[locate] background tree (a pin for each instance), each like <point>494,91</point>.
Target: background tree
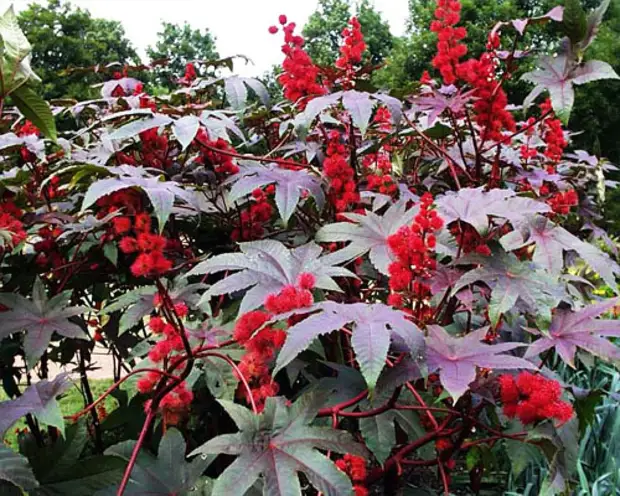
<point>180,45</point>
<point>323,31</point>
<point>65,37</point>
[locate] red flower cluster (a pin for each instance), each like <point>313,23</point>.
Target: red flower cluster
<point>449,48</point>
<point>413,246</point>
<point>562,202</point>
<point>155,149</point>
<point>532,398</point>
<point>171,340</point>
<point>355,467</point>
<point>9,223</point>
<point>383,118</point>
<point>490,106</point>
<point>253,219</point>
<point>151,261</point>
<point>343,190</point>
<point>300,77</point>
<point>291,297</point>
<point>552,134</point>
<point>378,168</point>
<point>351,52</point>
<point>221,163</point>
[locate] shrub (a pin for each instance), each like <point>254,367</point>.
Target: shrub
<point>339,293</point>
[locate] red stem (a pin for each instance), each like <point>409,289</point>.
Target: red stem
<point>150,416</point>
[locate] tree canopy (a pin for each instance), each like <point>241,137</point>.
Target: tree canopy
<point>180,44</point>
<point>323,32</point>
<point>64,38</point>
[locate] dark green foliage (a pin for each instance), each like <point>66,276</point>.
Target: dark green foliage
<point>85,42</point>
<point>180,45</point>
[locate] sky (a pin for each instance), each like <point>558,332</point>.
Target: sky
<point>240,26</point>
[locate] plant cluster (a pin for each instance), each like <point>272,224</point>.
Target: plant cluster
<point>341,293</point>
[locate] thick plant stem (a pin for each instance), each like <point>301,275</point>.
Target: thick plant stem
<point>150,416</point>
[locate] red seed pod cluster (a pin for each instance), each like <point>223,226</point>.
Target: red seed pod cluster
<point>220,162</point>
<point>552,134</point>
<point>351,52</point>
<point>336,167</point>
<point>355,468</point>
<point>262,341</point>
<point>151,261</point>
<point>562,202</point>
<point>450,50</point>
<point>10,224</point>
<point>49,254</point>
<point>414,248</point>
<point>300,78</point>
<point>491,100</point>
<point>154,149</point>
<point>175,404</point>
<point>383,119</point>
<point>252,220</point>
<point>469,240</point>
<point>533,398</point>
<point>378,170</point>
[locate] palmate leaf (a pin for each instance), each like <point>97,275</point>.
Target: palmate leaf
<point>267,267</point>
<point>552,240</point>
<point>512,282</point>
<point>369,233</point>
<point>185,129</point>
<point>558,75</point>
<point>161,193</point>
<point>277,444</point>
<point>140,125</point>
<point>40,318</point>
<point>374,327</point>
<point>439,101</point>
<point>358,104</point>
<point>457,358</point>
<point>290,185</point>
<point>236,88</point>
<point>169,473</point>
<point>39,400</point>
<point>475,206</point>
<point>571,330</point>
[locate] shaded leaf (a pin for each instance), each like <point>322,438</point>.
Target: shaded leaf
<point>373,325</point>
<point>277,444</point>
<point>39,400</point>
<point>36,110</point>
<point>458,358</point>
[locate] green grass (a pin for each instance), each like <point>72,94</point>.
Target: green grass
<point>70,402</point>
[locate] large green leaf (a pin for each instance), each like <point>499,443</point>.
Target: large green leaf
<point>15,55</point>
<point>36,110</point>
<point>276,445</point>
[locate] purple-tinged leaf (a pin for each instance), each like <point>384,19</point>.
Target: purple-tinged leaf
<point>40,318</point>
<point>512,281</point>
<point>360,106</point>
<point>185,130</point>
<point>557,75</point>
<point>595,19</point>
<point>267,267</point>
<point>161,193</point>
<point>127,84</point>
<point>373,325</point>
<point>369,233</point>
<point>437,103</point>
<point>456,359</point>
<point>474,206</point>
<point>571,330</point>
<point>551,241</point>
<point>290,185</point>
<point>278,444</point>
<point>136,127</point>
<point>38,400</point>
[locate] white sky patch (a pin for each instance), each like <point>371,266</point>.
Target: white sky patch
<point>240,26</point>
